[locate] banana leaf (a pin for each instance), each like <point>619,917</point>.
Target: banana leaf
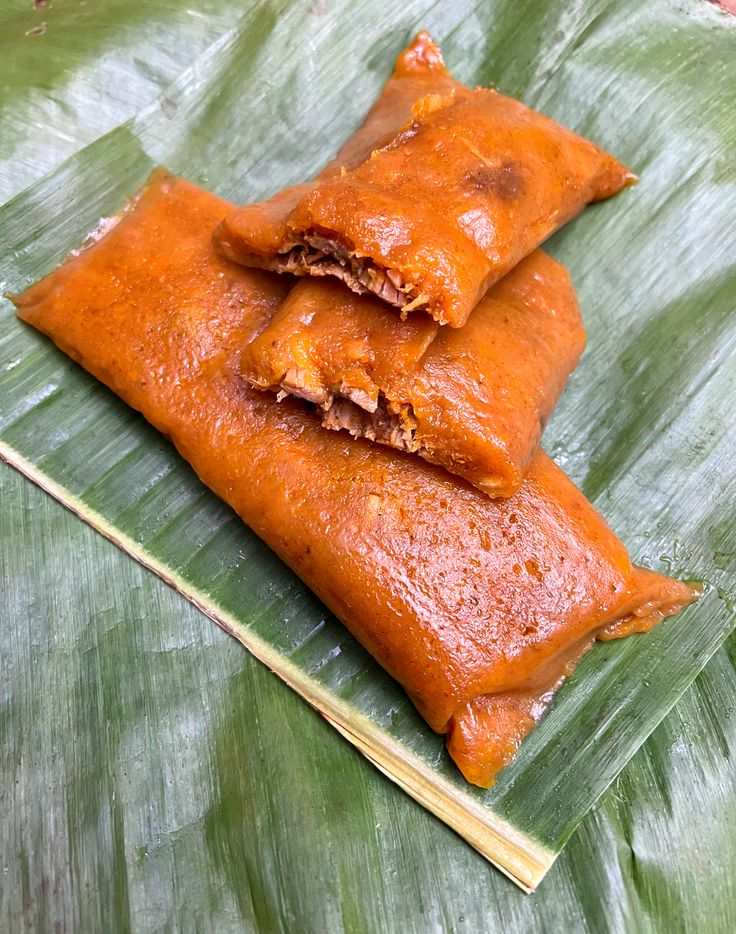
<point>645,427</point>
<point>71,70</point>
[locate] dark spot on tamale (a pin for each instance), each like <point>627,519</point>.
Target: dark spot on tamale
<point>503,181</point>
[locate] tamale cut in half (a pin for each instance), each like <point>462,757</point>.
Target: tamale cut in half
<point>478,607</point>
<point>471,184</point>
<point>473,399</point>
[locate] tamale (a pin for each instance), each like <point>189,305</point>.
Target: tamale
<point>474,399</point>
<point>478,607</point>
<point>470,185</point>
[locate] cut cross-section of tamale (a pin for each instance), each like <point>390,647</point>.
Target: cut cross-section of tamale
<point>471,184</point>
<point>473,399</point>
<point>478,607</point>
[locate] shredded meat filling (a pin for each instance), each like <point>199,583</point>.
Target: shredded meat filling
<point>355,410</point>
<point>391,424</point>
<point>320,256</point>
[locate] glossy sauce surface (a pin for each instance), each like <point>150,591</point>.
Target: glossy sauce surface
<point>456,595</point>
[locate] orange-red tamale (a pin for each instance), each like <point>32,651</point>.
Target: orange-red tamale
<point>473,399</point>
<point>468,187</point>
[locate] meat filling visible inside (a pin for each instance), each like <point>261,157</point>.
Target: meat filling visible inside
<point>391,423</point>
<point>361,413</point>
<point>320,256</point>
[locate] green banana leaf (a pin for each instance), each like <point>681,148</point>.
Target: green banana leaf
<point>647,436</point>
<point>71,70</point>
